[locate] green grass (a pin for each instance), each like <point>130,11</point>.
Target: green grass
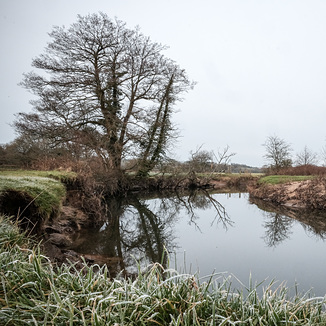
<point>32,292</point>
<point>279,179</point>
<point>44,188</point>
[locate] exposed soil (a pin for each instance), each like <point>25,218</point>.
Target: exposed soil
<point>82,209</point>
<point>14,203</point>
<point>309,194</point>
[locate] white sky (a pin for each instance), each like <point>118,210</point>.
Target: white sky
<point>260,65</point>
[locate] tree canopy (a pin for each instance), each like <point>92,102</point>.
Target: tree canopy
<point>278,152</point>
<point>306,157</point>
<point>106,88</point>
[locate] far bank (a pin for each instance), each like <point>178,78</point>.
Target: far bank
<point>303,192</point>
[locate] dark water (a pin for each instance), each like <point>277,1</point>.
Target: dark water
<point>213,232</point>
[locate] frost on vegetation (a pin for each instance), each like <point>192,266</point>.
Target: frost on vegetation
<point>34,292</point>
<point>25,182</point>
<point>46,193</point>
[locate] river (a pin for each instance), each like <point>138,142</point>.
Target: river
<point>209,233</point>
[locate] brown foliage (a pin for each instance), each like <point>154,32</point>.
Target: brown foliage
<point>304,170</point>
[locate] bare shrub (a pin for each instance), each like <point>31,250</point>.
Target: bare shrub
<point>307,169</point>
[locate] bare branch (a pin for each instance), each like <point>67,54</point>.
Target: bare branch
<point>102,79</point>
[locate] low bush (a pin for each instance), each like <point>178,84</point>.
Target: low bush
<point>304,170</point>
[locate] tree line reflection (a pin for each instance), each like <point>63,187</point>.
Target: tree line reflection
<point>280,220</point>
<point>140,230</point>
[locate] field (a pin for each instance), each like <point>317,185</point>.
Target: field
<point>279,179</point>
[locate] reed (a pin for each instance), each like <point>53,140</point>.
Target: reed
<point>34,292</point>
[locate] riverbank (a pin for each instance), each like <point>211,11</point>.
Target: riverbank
<point>302,192</point>
<point>33,291</point>
<point>57,205</point>
<point>52,205</point>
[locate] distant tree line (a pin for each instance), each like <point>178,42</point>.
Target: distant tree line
<point>280,159</point>
<point>27,153</point>
<point>105,97</point>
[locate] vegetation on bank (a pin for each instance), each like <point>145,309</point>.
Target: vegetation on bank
<point>34,292</point>
<point>43,189</point>
<point>293,174</point>
<point>61,175</point>
<point>280,179</point>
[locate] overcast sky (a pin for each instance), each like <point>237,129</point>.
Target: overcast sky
<point>260,65</point>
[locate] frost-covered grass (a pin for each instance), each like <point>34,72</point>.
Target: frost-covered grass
<point>33,292</point>
<point>45,193</point>
<point>43,188</point>
<point>61,175</point>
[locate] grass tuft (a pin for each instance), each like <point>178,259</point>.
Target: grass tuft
<point>42,188</point>
<point>46,193</point>
<point>61,175</point>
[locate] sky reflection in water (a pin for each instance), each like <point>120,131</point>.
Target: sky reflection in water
<point>264,244</point>
<point>243,240</point>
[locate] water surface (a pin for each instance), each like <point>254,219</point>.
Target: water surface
<point>206,233</point>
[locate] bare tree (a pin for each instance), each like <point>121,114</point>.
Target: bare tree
<point>208,161</point>
<point>323,155</point>
<point>278,152</point>
<point>306,157</point>
<point>107,88</point>
<point>223,158</point>
<point>201,160</point>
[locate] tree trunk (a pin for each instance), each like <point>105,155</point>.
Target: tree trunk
<point>159,129</point>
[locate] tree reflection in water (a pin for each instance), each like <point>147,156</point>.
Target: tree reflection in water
<point>280,220</point>
<point>200,199</point>
<point>139,230</point>
<point>278,228</point>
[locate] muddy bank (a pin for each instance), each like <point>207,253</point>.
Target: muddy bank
<point>309,194</point>
<point>82,208</point>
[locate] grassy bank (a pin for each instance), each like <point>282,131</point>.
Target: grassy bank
<point>53,174</point>
<point>33,292</point>
<point>302,192</point>
<point>280,179</point>
<point>43,190</point>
